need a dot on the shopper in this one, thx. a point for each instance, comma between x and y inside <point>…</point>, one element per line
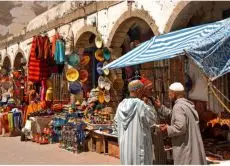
<point>159,154</point>
<point>133,121</point>
<point>184,130</point>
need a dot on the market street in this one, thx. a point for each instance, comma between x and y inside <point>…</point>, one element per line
<point>13,151</point>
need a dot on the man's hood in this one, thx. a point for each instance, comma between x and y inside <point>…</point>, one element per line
<point>127,110</point>
<point>191,107</point>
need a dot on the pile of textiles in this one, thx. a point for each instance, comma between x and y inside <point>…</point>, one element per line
<point>41,112</point>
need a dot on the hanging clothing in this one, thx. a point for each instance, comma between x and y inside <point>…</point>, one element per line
<point>185,133</point>
<point>46,47</point>
<point>43,90</point>
<point>59,55</point>
<point>133,120</point>
<point>54,39</point>
<point>39,49</point>
<point>38,68</point>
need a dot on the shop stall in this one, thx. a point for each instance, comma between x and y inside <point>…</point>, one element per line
<point>207,46</point>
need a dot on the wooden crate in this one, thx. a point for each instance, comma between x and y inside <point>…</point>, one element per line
<point>99,145</point>
<point>113,149</point>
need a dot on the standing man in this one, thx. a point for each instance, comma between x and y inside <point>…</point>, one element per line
<point>184,130</point>
<point>159,154</point>
<point>133,121</point>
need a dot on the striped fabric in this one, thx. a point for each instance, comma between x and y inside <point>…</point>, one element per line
<point>133,120</point>
<point>38,69</point>
<point>166,46</point>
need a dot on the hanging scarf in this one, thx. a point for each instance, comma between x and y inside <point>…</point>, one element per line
<point>59,56</point>
<point>43,90</point>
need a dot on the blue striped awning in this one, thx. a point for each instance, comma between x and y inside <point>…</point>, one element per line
<point>167,45</point>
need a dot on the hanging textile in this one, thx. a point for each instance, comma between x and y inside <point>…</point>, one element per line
<point>54,39</point>
<point>43,90</point>
<point>59,55</point>
<point>211,53</point>
<point>38,69</point>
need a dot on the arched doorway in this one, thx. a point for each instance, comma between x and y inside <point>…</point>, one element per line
<point>85,47</point>
<point>6,66</point>
<point>19,61</point>
<point>19,74</point>
<point>192,14</point>
<point>129,31</point>
<point>188,14</point>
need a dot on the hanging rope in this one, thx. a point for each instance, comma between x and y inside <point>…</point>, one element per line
<point>214,87</point>
<point>218,98</point>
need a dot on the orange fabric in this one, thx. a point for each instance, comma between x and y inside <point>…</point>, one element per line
<point>33,107</point>
<point>54,39</point>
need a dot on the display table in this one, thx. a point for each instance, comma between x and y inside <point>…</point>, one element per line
<point>217,152</point>
<point>105,143</point>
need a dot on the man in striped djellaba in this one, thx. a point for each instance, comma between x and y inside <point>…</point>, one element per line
<point>133,121</point>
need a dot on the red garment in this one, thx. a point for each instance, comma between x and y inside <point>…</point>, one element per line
<point>38,69</point>
<point>46,49</point>
<point>39,48</point>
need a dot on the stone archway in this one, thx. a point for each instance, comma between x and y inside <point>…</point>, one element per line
<point>121,40</point>
<point>191,13</point>
<point>188,14</point>
<point>7,65</point>
<point>82,40</point>
<point>19,60</point>
<point>122,25</point>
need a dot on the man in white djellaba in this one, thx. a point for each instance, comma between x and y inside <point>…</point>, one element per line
<point>133,121</point>
<point>184,130</point>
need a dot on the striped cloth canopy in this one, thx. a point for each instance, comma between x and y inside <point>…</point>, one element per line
<point>167,45</point>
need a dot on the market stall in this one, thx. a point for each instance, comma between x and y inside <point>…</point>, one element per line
<point>207,46</point>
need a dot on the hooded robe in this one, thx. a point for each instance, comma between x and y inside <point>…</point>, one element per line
<point>133,121</point>
<point>185,133</point>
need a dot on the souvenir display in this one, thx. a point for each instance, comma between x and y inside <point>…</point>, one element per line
<point>106,54</point>
<point>72,74</point>
<point>99,55</point>
<point>98,41</point>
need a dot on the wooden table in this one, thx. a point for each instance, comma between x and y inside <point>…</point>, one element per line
<point>104,138</point>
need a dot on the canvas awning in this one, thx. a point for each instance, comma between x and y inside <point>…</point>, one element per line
<point>207,44</point>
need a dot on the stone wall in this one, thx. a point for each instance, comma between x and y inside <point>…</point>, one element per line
<point>112,20</point>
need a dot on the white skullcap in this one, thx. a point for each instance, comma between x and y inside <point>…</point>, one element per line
<point>177,87</point>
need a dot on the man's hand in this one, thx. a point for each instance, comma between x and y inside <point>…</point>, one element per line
<point>157,103</point>
<point>164,127</point>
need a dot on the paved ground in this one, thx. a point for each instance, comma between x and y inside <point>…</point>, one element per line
<point>13,151</point>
